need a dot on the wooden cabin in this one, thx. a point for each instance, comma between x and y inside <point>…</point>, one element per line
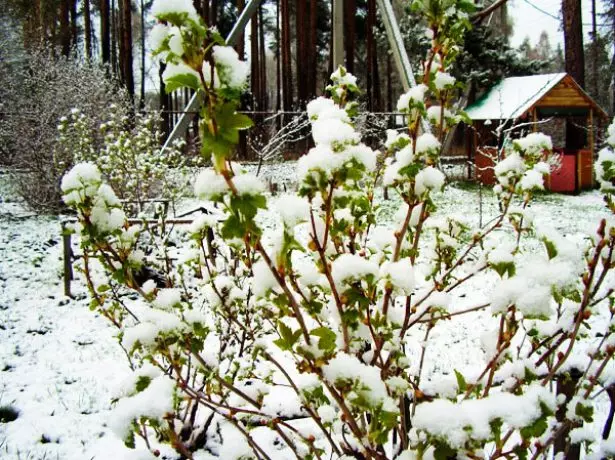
<point>554,104</point>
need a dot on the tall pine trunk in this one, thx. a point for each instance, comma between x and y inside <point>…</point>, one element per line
<point>278,59</point>
<point>114,35</point>
<point>126,59</point>
<point>105,31</point>
<point>142,98</point>
<point>300,26</point>
<point>87,30</point>
<point>264,103</point>
<point>65,27</point>
<point>254,63</point>
<point>287,75</point>
<point>350,13</point>
<point>74,29</point>
<point>313,51</point>
<point>573,40</point>
<point>575,62</point>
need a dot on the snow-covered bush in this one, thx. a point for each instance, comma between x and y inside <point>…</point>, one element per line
<point>299,326</point>
<point>126,149</point>
<point>36,92</point>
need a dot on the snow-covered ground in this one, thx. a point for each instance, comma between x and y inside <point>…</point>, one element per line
<point>60,364</point>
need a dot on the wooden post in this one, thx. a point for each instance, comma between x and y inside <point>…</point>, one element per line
<point>591,143</point>
<point>68,259</point>
<point>534,120</point>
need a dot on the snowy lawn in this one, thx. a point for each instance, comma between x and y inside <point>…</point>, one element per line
<point>60,365</point>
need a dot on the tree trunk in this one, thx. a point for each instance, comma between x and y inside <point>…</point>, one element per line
<point>287,73</point>
<point>350,13</point>
<point>213,12</point>
<point>240,47</point>
<point>127,60</point>
<point>575,62</point>
<point>142,98</point>
<point>573,40</point>
<point>369,35</point>
<point>313,50</point>
<point>300,53</point>
<point>64,27</point>
<point>74,30</point>
<point>114,34</point>
<point>264,103</point>
<point>105,31</point>
<point>87,25</point>
<point>278,59</point>
<point>254,63</point>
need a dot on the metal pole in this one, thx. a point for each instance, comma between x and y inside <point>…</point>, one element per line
<point>179,130</point>
<point>397,44</point>
<point>400,55</point>
<point>338,33</point>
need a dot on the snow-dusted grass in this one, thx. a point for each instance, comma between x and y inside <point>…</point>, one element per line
<point>60,365</point>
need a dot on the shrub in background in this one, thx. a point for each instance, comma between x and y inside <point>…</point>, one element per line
<point>126,149</point>
<point>36,93</point>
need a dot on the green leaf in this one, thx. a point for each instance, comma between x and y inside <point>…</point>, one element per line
<point>184,80</point>
<point>536,429</point>
<point>461,381</point>
<point>129,440</point>
<point>585,412</point>
<point>327,338</point>
<point>142,383</point>
<point>444,451</point>
<point>551,249</point>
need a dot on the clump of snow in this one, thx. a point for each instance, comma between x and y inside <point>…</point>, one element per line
<point>333,131</point>
<point>176,43</point>
<point>605,166</point>
<point>158,35</point>
<point>427,143</point>
<point>393,137</point>
<point>346,79</point>
<point>430,179</point>
<point>167,298</point>
<point>352,267</point>
<point>400,274</point>
<point>531,299</point>
<point>231,70</point>
<point>263,280</point>
<point>414,95</point>
<point>472,417</point>
<point>149,287</point>
<point>155,402</point>
<point>248,184</point>
<point>209,185</point>
<point>435,114</point>
<point>81,182</point>
<point>510,167</point>
<point>164,7</point>
<point>348,368</point>
<point>323,108</point>
<point>443,80</point>
<point>532,180</point>
<point>292,209</point>
<point>173,70</point>
<point>534,143</point>
<point>327,413</point>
